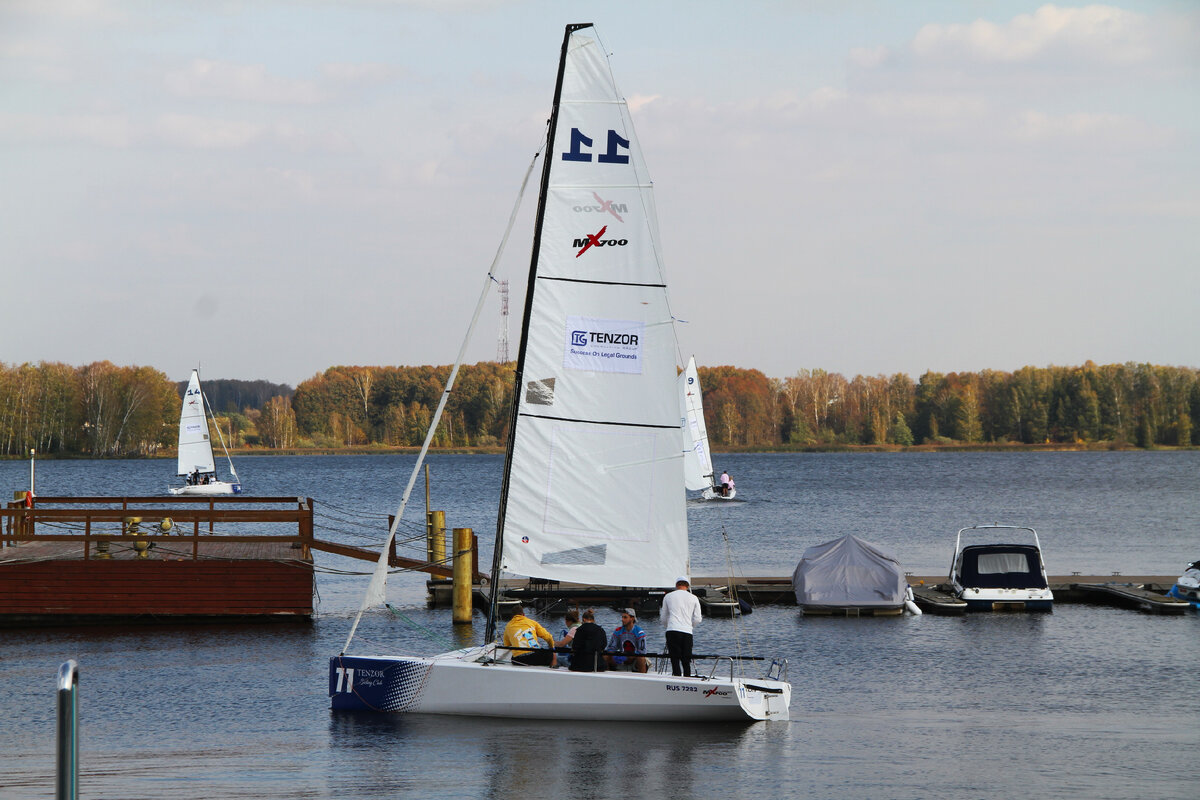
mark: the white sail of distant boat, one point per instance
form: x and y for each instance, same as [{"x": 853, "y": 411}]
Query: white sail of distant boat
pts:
[
  {"x": 195, "y": 462},
  {"x": 591, "y": 480},
  {"x": 697, "y": 455}
]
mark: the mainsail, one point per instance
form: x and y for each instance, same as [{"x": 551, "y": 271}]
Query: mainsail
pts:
[
  {"x": 592, "y": 481},
  {"x": 697, "y": 463},
  {"x": 195, "y": 449}
]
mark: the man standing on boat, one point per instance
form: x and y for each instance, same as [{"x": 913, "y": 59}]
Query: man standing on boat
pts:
[
  {"x": 630, "y": 640},
  {"x": 522, "y": 631},
  {"x": 724, "y": 483},
  {"x": 680, "y": 615}
]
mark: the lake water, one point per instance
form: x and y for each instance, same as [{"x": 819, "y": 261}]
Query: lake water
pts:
[{"x": 1084, "y": 702}]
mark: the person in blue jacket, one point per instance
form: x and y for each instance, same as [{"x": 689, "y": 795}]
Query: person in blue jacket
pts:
[{"x": 630, "y": 641}]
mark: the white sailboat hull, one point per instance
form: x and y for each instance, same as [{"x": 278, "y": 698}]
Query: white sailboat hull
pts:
[
  {"x": 713, "y": 494},
  {"x": 206, "y": 489},
  {"x": 460, "y": 683}
]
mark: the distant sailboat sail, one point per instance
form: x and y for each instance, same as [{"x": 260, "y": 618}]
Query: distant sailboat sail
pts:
[
  {"x": 195, "y": 449},
  {"x": 195, "y": 458},
  {"x": 697, "y": 461}
]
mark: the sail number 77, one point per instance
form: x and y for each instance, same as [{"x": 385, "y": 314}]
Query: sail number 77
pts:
[{"x": 612, "y": 155}]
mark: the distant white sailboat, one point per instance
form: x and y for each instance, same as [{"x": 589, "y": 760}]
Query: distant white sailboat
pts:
[
  {"x": 697, "y": 455},
  {"x": 591, "y": 480},
  {"x": 195, "y": 462}
]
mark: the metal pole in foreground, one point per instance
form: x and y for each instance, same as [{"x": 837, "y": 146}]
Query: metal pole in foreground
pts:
[{"x": 67, "y": 784}]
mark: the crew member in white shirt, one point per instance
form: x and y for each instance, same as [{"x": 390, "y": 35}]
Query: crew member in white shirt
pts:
[{"x": 680, "y": 614}]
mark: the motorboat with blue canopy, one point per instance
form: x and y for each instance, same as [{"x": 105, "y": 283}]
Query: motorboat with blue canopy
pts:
[{"x": 1002, "y": 574}]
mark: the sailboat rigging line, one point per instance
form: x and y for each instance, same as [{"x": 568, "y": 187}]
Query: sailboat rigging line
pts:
[
  {"x": 376, "y": 592},
  {"x": 601, "y": 422},
  {"x": 518, "y": 376},
  {"x": 220, "y": 438},
  {"x": 603, "y": 283}
]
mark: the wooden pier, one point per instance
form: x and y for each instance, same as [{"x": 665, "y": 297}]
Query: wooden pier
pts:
[{"x": 74, "y": 560}]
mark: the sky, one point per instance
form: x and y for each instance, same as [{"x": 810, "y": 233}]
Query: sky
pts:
[{"x": 268, "y": 189}]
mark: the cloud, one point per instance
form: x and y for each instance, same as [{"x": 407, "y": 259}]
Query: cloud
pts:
[
  {"x": 207, "y": 133},
  {"x": 358, "y": 73},
  {"x": 1102, "y": 34},
  {"x": 204, "y": 78}
]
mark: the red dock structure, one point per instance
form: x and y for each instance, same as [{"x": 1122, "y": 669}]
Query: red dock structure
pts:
[{"x": 73, "y": 560}]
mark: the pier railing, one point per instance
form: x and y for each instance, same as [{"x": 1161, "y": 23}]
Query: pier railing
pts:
[{"x": 94, "y": 522}]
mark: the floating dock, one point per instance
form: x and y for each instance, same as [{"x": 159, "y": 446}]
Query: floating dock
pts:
[{"x": 1145, "y": 593}]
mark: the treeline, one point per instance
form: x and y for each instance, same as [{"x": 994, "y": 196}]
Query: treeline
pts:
[
  {"x": 230, "y": 395},
  {"x": 105, "y": 410},
  {"x": 1124, "y": 404},
  {"x": 100, "y": 409}
]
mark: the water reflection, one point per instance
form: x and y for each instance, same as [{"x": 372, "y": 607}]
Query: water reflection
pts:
[{"x": 538, "y": 758}]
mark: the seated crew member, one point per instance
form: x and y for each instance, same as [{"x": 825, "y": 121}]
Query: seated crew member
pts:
[
  {"x": 523, "y": 632},
  {"x": 587, "y": 645},
  {"x": 571, "y": 621},
  {"x": 630, "y": 640}
]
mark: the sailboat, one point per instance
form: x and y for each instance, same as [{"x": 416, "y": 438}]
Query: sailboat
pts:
[
  {"x": 590, "y": 492},
  {"x": 697, "y": 456},
  {"x": 195, "y": 462}
]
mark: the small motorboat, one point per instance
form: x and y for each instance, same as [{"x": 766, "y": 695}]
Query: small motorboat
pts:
[
  {"x": 1002, "y": 574},
  {"x": 1187, "y": 587}
]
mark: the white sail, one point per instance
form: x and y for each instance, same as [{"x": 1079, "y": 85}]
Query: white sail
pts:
[
  {"x": 697, "y": 462},
  {"x": 593, "y": 481},
  {"x": 195, "y": 449}
]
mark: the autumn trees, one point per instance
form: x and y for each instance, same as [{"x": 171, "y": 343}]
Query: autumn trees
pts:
[
  {"x": 105, "y": 410},
  {"x": 100, "y": 409}
]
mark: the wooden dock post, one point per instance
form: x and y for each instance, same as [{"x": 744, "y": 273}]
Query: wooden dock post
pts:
[
  {"x": 463, "y": 573},
  {"x": 435, "y": 533}
]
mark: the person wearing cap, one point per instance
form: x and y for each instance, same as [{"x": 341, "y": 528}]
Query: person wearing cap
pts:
[
  {"x": 523, "y": 632},
  {"x": 630, "y": 640},
  {"x": 680, "y": 615}
]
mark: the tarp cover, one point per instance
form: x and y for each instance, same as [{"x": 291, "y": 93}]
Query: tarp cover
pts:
[{"x": 849, "y": 573}]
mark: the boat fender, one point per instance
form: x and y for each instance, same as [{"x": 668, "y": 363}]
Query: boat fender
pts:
[{"x": 909, "y": 604}]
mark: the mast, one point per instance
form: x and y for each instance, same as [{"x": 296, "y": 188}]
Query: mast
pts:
[{"x": 518, "y": 377}]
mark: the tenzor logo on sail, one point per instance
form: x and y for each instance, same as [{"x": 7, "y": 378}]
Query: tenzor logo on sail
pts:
[{"x": 603, "y": 345}]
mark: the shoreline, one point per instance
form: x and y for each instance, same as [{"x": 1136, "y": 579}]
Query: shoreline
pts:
[{"x": 981, "y": 447}]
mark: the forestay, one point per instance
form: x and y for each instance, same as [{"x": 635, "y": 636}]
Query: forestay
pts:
[
  {"x": 195, "y": 449},
  {"x": 595, "y": 470}
]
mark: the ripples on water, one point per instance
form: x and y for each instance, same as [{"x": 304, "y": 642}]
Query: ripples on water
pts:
[{"x": 1085, "y": 702}]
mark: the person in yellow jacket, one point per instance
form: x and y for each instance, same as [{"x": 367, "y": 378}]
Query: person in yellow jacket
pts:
[{"x": 522, "y": 631}]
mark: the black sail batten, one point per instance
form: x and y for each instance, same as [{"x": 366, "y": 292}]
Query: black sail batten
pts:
[
  {"x": 603, "y": 283},
  {"x": 518, "y": 378},
  {"x": 649, "y": 425}
]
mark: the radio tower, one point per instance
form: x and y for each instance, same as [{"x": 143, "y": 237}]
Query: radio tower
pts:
[{"x": 502, "y": 342}]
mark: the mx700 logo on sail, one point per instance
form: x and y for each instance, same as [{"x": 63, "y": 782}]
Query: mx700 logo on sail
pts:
[{"x": 596, "y": 241}]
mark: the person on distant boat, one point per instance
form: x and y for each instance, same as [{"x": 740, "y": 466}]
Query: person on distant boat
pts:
[
  {"x": 522, "y": 632},
  {"x": 587, "y": 645},
  {"x": 729, "y": 487},
  {"x": 680, "y": 615},
  {"x": 571, "y": 618},
  {"x": 630, "y": 640},
  {"x": 724, "y": 484}
]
